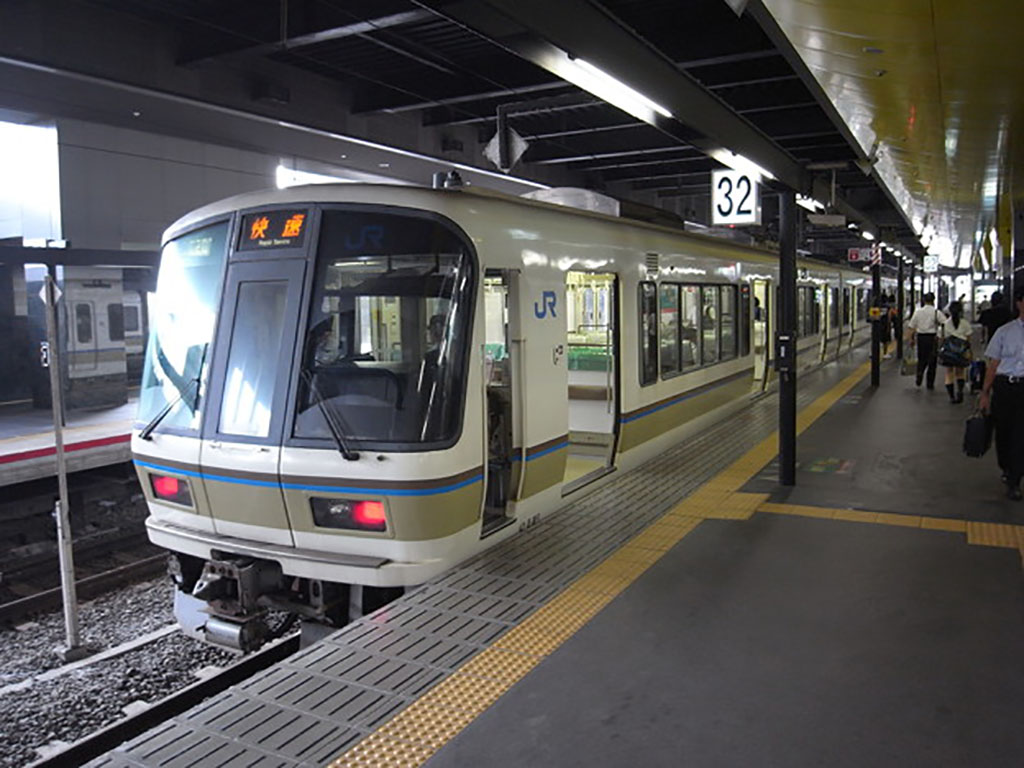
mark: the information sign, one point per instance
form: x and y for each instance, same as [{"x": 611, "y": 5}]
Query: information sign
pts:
[
  {"x": 858, "y": 255},
  {"x": 931, "y": 263},
  {"x": 273, "y": 229},
  {"x": 735, "y": 198}
]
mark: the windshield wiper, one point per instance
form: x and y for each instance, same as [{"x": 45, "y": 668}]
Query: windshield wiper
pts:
[
  {"x": 331, "y": 416},
  {"x": 147, "y": 430}
]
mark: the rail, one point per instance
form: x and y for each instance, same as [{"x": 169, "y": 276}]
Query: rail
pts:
[
  {"x": 88, "y": 587},
  {"x": 109, "y": 738}
]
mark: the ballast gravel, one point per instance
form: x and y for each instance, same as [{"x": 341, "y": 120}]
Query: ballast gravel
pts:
[{"x": 73, "y": 705}]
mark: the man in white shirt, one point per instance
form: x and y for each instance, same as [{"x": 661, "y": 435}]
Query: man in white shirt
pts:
[
  {"x": 924, "y": 325},
  {"x": 1003, "y": 390}
]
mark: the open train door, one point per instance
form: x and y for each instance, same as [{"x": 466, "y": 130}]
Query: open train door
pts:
[
  {"x": 591, "y": 310},
  {"x": 762, "y": 333},
  {"x": 504, "y": 403}
]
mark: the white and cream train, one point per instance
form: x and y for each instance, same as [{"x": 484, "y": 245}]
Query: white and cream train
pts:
[{"x": 348, "y": 389}]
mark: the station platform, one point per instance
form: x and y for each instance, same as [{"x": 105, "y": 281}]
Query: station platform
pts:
[
  {"x": 692, "y": 612},
  {"x": 92, "y": 438}
]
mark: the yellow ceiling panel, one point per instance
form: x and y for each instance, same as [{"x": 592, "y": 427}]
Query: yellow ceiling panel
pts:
[{"x": 932, "y": 88}]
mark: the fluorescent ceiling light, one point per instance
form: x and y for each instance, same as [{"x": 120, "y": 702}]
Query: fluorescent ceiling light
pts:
[
  {"x": 740, "y": 163},
  {"x": 867, "y": 235},
  {"x": 608, "y": 88}
]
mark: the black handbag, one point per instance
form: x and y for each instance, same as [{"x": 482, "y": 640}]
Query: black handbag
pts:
[{"x": 977, "y": 434}]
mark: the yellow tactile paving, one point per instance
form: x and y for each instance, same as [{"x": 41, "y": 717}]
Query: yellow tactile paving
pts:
[
  {"x": 993, "y": 534},
  {"x": 417, "y": 732},
  {"x": 906, "y": 521},
  {"x": 983, "y": 534},
  {"x": 855, "y": 516},
  {"x": 944, "y": 524}
]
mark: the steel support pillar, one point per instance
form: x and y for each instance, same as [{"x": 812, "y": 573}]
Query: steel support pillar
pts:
[
  {"x": 876, "y": 324},
  {"x": 786, "y": 338},
  {"x": 898, "y": 329},
  {"x": 1017, "y": 280},
  {"x": 913, "y": 286}
]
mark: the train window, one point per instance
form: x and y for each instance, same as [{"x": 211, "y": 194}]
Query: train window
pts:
[
  {"x": 833, "y": 308},
  {"x": 648, "y": 305},
  {"x": 131, "y": 319},
  {"x": 689, "y": 314},
  {"x": 727, "y": 331},
  {"x": 182, "y": 315},
  {"x": 846, "y": 306},
  {"x": 388, "y": 332},
  {"x": 709, "y": 323},
  {"x": 83, "y": 323},
  {"x": 251, "y": 373},
  {"x": 668, "y": 328},
  {"x": 862, "y": 303},
  {"x": 115, "y": 322}
]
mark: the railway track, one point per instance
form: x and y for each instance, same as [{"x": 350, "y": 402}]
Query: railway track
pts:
[
  {"x": 110, "y": 737},
  {"x": 88, "y": 587}
]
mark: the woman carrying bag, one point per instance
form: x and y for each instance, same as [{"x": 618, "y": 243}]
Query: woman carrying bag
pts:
[{"x": 955, "y": 351}]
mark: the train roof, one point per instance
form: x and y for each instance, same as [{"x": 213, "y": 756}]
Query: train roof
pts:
[{"x": 418, "y": 197}]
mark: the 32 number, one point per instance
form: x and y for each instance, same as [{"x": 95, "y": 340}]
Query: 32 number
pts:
[{"x": 727, "y": 206}]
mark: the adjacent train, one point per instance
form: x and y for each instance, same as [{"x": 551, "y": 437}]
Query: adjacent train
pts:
[
  {"x": 349, "y": 389},
  {"x": 102, "y": 333}
]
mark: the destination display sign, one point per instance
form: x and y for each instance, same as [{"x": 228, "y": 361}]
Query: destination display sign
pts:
[{"x": 273, "y": 229}]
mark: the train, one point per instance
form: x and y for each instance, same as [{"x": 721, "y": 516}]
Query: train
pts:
[
  {"x": 102, "y": 331},
  {"x": 349, "y": 389}
]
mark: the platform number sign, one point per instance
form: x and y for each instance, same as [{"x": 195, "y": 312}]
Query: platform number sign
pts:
[{"x": 735, "y": 198}]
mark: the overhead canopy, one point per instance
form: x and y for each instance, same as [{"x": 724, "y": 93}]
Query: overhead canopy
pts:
[{"x": 932, "y": 89}]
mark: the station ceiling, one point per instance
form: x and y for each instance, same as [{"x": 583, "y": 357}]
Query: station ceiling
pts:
[{"x": 729, "y": 81}]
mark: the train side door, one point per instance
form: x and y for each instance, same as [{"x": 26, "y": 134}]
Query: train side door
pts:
[
  {"x": 592, "y": 356},
  {"x": 503, "y": 396},
  {"x": 241, "y": 443},
  {"x": 761, "y": 332}
]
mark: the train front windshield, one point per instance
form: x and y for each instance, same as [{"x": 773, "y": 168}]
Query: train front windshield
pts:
[
  {"x": 183, "y": 315},
  {"x": 387, "y": 338}
]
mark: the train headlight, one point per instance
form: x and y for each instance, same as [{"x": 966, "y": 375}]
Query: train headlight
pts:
[
  {"x": 349, "y": 515},
  {"x": 173, "y": 489}
]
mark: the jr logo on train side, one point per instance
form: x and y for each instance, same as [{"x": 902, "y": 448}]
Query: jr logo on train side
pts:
[{"x": 546, "y": 305}]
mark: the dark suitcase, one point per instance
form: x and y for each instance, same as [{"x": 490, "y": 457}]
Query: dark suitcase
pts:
[{"x": 977, "y": 434}]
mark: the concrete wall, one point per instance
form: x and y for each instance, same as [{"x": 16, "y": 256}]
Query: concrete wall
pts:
[{"x": 121, "y": 188}]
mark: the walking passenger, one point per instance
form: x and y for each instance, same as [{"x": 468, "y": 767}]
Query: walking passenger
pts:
[
  {"x": 955, "y": 353},
  {"x": 924, "y": 325},
  {"x": 1003, "y": 393},
  {"x": 998, "y": 314}
]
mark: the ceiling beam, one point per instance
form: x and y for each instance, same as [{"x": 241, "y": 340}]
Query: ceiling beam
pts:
[
  {"x": 539, "y": 106},
  {"x": 463, "y": 98},
  {"x": 582, "y": 30},
  {"x": 565, "y": 159},
  {"x": 355, "y": 29}
]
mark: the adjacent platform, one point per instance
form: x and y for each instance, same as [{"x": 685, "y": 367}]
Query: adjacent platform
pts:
[
  {"x": 92, "y": 439},
  {"x": 689, "y": 611}
]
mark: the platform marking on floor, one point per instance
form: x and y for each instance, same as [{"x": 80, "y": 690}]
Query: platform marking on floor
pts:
[
  {"x": 1004, "y": 535},
  {"x": 416, "y": 733},
  {"x": 1007, "y": 536}
]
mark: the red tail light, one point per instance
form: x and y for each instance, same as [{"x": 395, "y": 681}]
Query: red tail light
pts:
[
  {"x": 350, "y": 515},
  {"x": 369, "y": 515},
  {"x": 167, "y": 488}
]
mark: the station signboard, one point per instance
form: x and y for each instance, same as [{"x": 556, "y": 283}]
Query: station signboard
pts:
[
  {"x": 735, "y": 198},
  {"x": 931, "y": 263}
]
